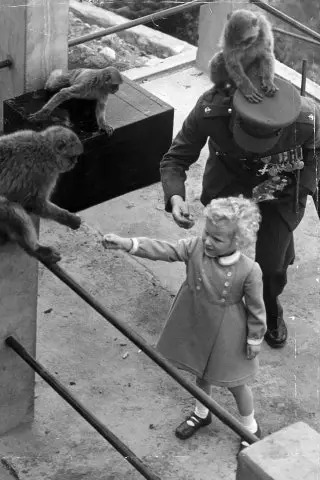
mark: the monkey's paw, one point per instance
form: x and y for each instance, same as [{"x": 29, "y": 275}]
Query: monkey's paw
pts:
[
  {"x": 251, "y": 94},
  {"x": 74, "y": 222},
  {"x": 37, "y": 117},
  {"x": 269, "y": 88},
  {"x": 48, "y": 254},
  {"x": 107, "y": 129}
]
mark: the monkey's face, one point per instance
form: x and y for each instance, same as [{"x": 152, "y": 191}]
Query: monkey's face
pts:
[
  {"x": 68, "y": 162},
  {"x": 67, "y": 147},
  {"x": 250, "y": 38},
  {"x": 114, "y": 87},
  {"x": 69, "y": 154},
  {"x": 243, "y": 28}
]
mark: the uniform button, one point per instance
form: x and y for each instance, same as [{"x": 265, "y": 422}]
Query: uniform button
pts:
[
  {"x": 226, "y": 284},
  {"x": 229, "y": 274},
  {"x": 222, "y": 300},
  {"x": 224, "y": 292},
  {"x": 200, "y": 279},
  {"x": 198, "y": 288},
  {"x": 229, "y": 110}
]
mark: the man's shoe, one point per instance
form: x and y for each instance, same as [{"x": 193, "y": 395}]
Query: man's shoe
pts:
[
  {"x": 277, "y": 338},
  {"x": 244, "y": 444},
  {"x": 191, "y": 425}
]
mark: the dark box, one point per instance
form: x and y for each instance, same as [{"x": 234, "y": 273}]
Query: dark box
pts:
[{"x": 109, "y": 167}]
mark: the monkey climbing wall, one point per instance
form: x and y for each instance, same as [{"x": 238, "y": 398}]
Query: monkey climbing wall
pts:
[{"x": 110, "y": 166}]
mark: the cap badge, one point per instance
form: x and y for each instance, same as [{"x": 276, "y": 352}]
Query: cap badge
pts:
[
  {"x": 207, "y": 110},
  {"x": 311, "y": 117}
]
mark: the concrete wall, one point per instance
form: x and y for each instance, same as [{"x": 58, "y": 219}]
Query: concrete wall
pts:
[{"x": 34, "y": 34}]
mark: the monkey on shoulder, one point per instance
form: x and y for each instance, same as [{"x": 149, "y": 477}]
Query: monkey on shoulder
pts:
[
  {"x": 247, "y": 39},
  {"x": 30, "y": 164},
  {"x": 81, "y": 83}
]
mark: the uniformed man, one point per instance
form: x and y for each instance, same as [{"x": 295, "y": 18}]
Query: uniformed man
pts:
[{"x": 268, "y": 151}]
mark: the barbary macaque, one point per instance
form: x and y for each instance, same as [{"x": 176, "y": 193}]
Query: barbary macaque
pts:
[
  {"x": 30, "y": 164},
  {"x": 81, "y": 83},
  {"x": 247, "y": 39}
]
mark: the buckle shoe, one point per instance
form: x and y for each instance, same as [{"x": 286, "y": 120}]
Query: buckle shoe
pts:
[{"x": 191, "y": 425}]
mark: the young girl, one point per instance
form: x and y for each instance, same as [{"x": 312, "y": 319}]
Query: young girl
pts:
[{"x": 211, "y": 331}]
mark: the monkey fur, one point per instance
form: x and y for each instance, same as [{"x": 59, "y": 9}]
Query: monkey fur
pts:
[
  {"x": 30, "y": 164},
  {"x": 247, "y": 39},
  {"x": 82, "y": 83}
]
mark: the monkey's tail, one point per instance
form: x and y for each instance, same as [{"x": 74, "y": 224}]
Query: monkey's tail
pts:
[{"x": 58, "y": 79}]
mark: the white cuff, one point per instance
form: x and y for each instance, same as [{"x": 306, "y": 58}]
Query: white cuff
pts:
[
  {"x": 135, "y": 246},
  {"x": 254, "y": 341}
]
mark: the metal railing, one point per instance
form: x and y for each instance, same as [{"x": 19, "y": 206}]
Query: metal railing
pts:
[
  {"x": 289, "y": 20},
  {"x": 295, "y": 35},
  {"x": 315, "y": 37},
  {"x": 151, "y": 352},
  {"x": 81, "y": 409},
  {"x": 187, "y": 6},
  {"x": 6, "y": 63},
  {"x": 138, "y": 21}
]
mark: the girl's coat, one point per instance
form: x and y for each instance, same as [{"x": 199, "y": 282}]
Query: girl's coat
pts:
[{"x": 208, "y": 324}]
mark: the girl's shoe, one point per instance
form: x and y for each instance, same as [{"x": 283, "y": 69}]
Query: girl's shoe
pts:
[
  {"x": 244, "y": 444},
  {"x": 184, "y": 430}
]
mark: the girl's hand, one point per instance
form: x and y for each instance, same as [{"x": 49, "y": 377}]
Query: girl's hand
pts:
[
  {"x": 111, "y": 241},
  {"x": 252, "y": 351}
]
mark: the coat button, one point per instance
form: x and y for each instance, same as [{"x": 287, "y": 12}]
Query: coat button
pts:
[
  {"x": 222, "y": 300},
  {"x": 226, "y": 284},
  {"x": 198, "y": 288},
  {"x": 229, "y": 274},
  {"x": 224, "y": 292}
]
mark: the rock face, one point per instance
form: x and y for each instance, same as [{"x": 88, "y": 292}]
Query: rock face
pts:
[{"x": 109, "y": 50}]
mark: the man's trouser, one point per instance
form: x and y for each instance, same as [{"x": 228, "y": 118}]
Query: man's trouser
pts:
[{"x": 274, "y": 251}]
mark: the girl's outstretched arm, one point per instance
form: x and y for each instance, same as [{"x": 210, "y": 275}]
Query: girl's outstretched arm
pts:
[{"x": 152, "y": 249}]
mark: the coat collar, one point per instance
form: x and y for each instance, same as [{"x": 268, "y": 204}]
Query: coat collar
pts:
[{"x": 229, "y": 259}]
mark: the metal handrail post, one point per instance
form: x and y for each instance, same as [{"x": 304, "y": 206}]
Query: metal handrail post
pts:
[
  {"x": 160, "y": 360},
  {"x": 80, "y": 408},
  {"x": 133, "y": 23},
  {"x": 282, "y": 16}
]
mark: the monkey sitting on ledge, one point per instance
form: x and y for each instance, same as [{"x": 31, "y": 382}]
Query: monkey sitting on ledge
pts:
[
  {"x": 247, "y": 39},
  {"x": 81, "y": 83},
  {"x": 30, "y": 164}
]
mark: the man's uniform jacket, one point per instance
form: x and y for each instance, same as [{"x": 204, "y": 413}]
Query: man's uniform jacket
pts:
[{"x": 228, "y": 163}]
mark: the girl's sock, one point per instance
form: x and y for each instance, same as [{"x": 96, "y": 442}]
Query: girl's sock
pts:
[
  {"x": 201, "y": 410},
  {"x": 249, "y": 422}
]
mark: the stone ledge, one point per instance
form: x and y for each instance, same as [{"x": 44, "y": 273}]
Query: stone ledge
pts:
[
  {"x": 140, "y": 35},
  {"x": 165, "y": 66},
  {"x": 292, "y": 453}
]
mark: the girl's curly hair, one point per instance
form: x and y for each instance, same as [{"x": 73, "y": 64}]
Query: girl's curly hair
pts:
[{"x": 242, "y": 212}]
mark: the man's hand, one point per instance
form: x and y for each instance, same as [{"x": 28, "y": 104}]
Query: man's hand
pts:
[
  {"x": 180, "y": 212},
  {"x": 252, "y": 351}
]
